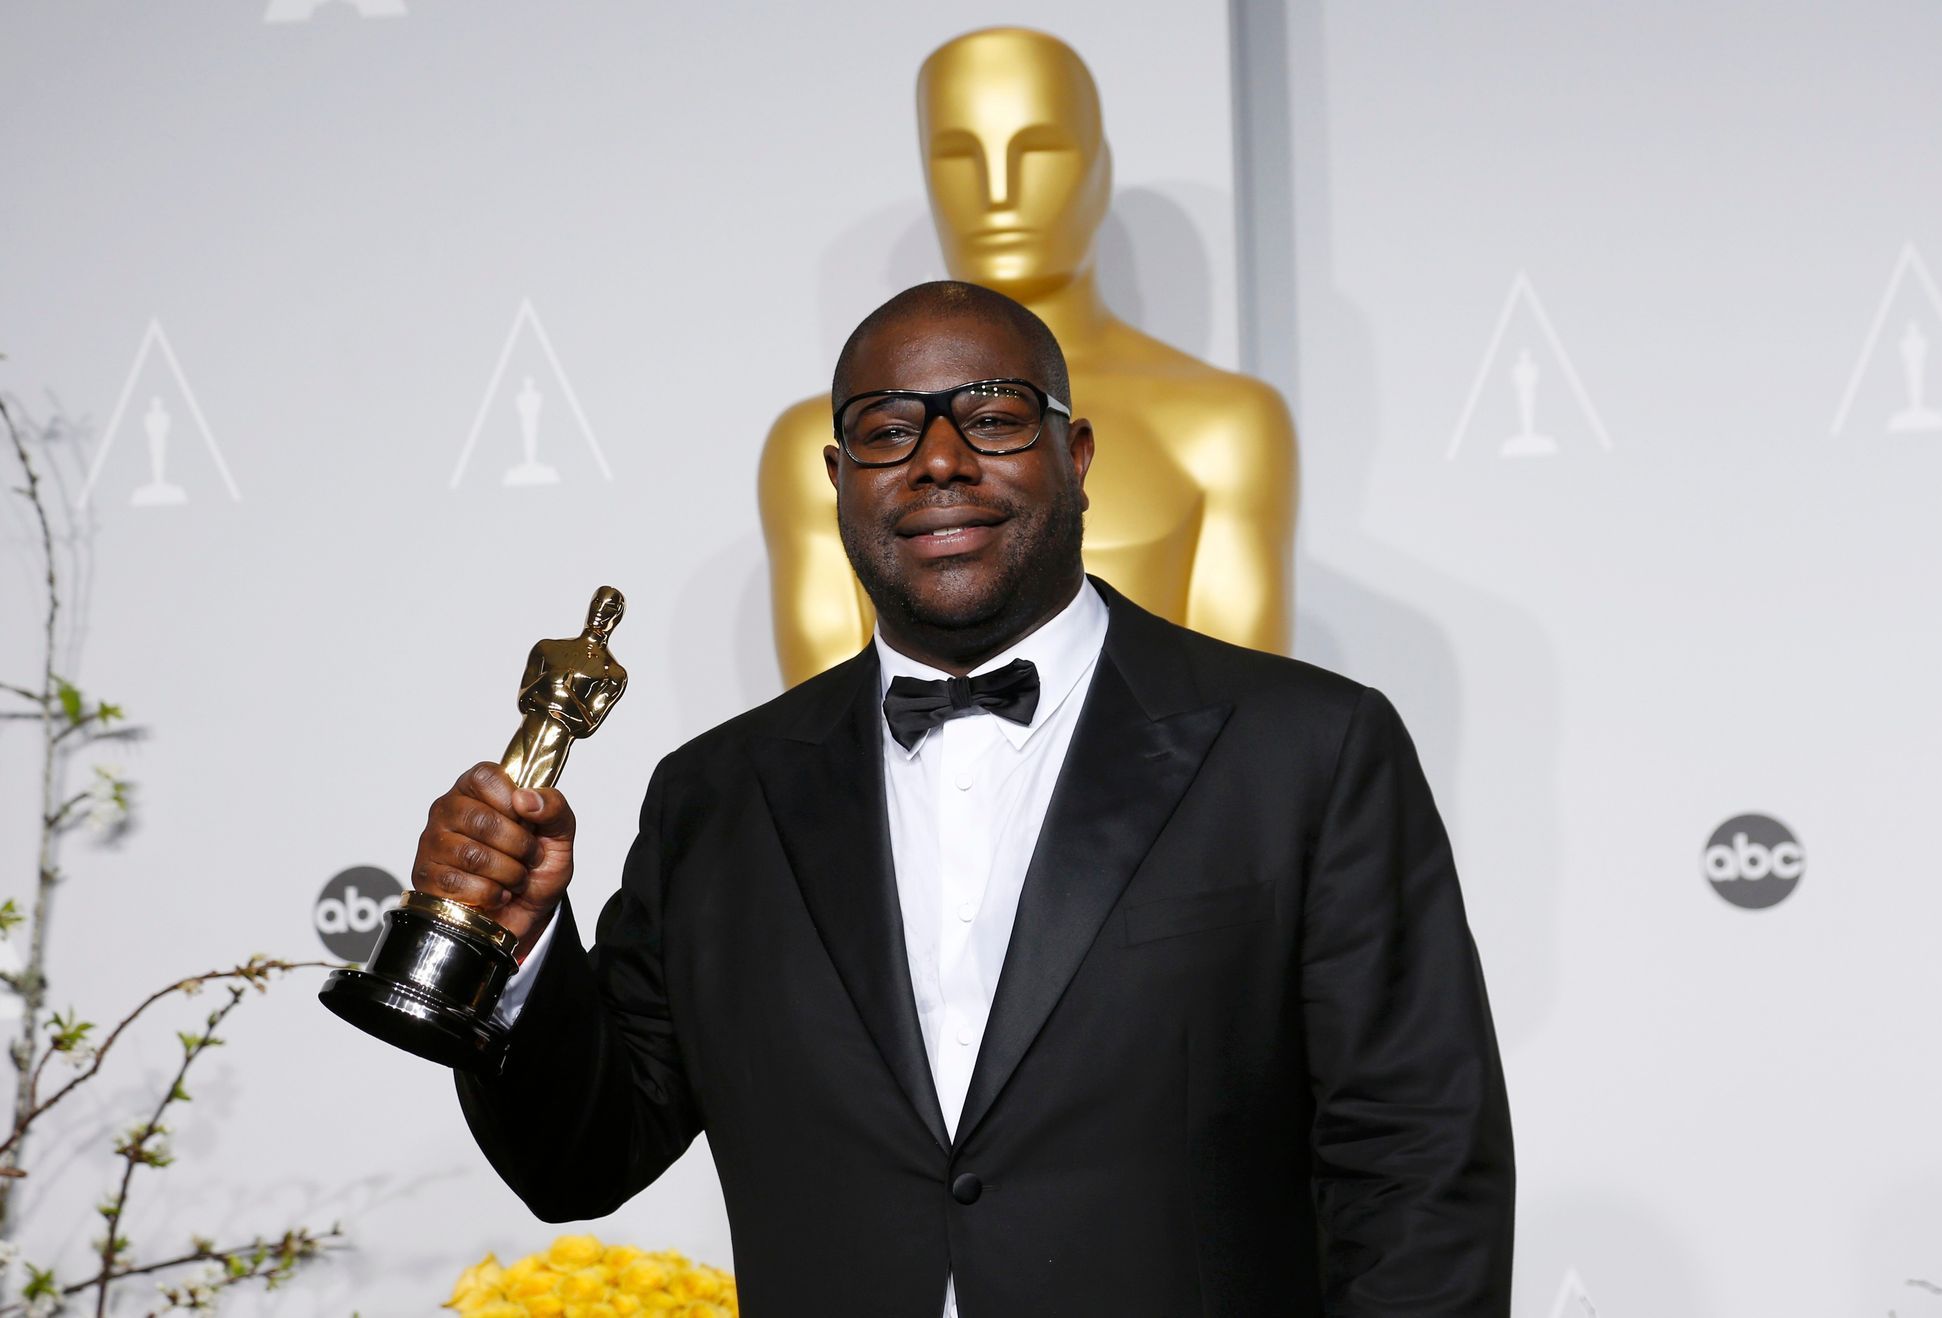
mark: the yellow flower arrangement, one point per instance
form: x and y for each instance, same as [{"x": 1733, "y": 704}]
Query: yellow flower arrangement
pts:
[{"x": 578, "y": 1277}]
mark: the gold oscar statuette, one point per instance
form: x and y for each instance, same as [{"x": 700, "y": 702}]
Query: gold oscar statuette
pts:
[
  {"x": 439, "y": 967},
  {"x": 1193, "y": 481}
]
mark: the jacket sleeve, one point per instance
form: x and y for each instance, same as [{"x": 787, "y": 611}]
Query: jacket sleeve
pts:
[
  {"x": 1414, "y": 1180},
  {"x": 593, "y": 1104}
]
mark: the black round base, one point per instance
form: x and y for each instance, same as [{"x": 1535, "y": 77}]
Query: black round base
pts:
[{"x": 416, "y": 1021}]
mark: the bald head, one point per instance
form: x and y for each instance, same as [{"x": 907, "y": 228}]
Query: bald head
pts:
[{"x": 950, "y": 299}]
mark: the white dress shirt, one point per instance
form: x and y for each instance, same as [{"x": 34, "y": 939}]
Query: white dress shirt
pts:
[
  {"x": 964, "y": 810},
  {"x": 965, "y": 805}
]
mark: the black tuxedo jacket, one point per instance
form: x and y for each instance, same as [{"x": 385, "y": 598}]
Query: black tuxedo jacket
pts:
[{"x": 1239, "y": 1060}]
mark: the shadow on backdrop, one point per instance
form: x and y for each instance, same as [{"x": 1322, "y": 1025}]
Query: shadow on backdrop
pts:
[{"x": 1438, "y": 646}]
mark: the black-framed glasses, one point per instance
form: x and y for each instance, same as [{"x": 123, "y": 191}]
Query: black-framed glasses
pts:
[{"x": 995, "y": 417}]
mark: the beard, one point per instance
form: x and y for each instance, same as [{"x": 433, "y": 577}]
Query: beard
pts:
[{"x": 975, "y": 603}]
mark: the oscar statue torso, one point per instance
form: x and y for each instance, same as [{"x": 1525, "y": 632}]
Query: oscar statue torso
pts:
[
  {"x": 1193, "y": 481},
  {"x": 568, "y": 687}
]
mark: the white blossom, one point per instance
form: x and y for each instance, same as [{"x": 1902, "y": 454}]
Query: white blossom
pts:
[
  {"x": 107, "y": 801},
  {"x": 195, "y": 1295}
]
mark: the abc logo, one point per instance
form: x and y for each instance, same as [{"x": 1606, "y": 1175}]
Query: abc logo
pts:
[
  {"x": 350, "y": 911},
  {"x": 1753, "y": 861}
]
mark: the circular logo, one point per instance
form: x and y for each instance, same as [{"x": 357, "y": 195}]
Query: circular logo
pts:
[
  {"x": 350, "y": 910},
  {"x": 1753, "y": 861}
]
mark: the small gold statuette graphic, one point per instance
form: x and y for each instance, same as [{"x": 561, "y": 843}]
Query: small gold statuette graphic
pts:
[{"x": 439, "y": 967}]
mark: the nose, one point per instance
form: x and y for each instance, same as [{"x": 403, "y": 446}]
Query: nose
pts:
[
  {"x": 999, "y": 183},
  {"x": 942, "y": 457}
]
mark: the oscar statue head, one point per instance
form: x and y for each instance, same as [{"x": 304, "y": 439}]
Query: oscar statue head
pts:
[
  {"x": 1015, "y": 159},
  {"x": 603, "y": 614}
]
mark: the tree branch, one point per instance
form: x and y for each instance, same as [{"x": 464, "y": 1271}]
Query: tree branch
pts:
[
  {"x": 33, "y": 977},
  {"x": 256, "y": 971},
  {"x": 301, "y": 1243},
  {"x": 65, "y": 809},
  {"x": 135, "y": 1151}
]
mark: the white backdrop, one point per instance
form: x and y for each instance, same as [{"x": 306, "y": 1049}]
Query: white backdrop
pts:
[
  {"x": 1710, "y": 601},
  {"x": 335, "y": 222},
  {"x": 1709, "y": 227}
]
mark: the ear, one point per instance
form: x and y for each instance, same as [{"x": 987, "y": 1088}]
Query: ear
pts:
[
  {"x": 1078, "y": 448},
  {"x": 830, "y": 456}
]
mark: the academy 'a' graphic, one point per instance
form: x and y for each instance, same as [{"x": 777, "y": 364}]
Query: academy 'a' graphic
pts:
[
  {"x": 1573, "y": 1301},
  {"x": 1903, "y": 354},
  {"x": 1533, "y": 403},
  {"x": 530, "y": 463},
  {"x": 168, "y": 418},
  {"x": 301, "y": 11}
]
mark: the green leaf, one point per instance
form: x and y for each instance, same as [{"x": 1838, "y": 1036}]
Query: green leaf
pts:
[
  {"x": 70, "y": 697},
  {"x": 108, "y": 713},
  {"x": 68, "y": 1031},
  {"x": 178, "y": 1094},
  {"x": 10, "y": 915},
  {"x": 40, "y": 1283}
]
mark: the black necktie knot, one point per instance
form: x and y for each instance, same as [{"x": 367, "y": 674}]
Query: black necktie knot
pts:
[{"x": 913, "y": 706}]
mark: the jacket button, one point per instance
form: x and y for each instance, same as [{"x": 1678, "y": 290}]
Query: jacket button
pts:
[{"x": 966, "y": 1188}]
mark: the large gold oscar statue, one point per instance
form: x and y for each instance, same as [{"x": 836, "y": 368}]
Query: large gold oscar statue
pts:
[{"x": 1193, "y": 484}]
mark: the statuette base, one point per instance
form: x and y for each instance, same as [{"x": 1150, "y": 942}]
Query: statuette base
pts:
[{"x": 431, "y": 985}]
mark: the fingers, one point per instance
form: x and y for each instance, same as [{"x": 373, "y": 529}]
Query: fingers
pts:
[
  {"x": 487, "y": 782},
  {"x": 465, "y": 889},
  {"x": 482, "y": 821},
  {"x": 473, "y": 849}
]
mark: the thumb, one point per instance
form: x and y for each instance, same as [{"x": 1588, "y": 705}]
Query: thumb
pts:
[{"x": 545, "y": 810}]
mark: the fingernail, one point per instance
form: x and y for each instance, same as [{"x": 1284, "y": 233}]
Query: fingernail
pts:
[{"x": 529, "y": 802}]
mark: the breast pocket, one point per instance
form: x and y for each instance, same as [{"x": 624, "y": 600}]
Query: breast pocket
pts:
[{"x": 1219, "y": 908}]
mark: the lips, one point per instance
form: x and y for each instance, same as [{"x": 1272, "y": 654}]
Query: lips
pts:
[{"x": 941, "y": 532}]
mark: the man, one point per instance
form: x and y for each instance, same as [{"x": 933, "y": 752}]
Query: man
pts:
[{"x": 1130, "y": 980}]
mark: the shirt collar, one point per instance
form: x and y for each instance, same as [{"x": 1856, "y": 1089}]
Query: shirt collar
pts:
[{"x": 1063, "y": 650}]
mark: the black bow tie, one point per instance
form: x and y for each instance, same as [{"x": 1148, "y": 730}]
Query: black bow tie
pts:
[{"x": 914, "y": 706}]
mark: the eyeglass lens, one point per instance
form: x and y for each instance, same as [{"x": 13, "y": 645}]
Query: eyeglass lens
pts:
[{"x": 993, "y": 417}]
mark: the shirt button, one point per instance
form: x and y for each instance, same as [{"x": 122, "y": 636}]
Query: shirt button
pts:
[
  {"x": 964, "y": 780},
  {"x": 967, "y": 911},
  {"x": 967, "y": 1036},
  {"x": 966, "y": 1188}
]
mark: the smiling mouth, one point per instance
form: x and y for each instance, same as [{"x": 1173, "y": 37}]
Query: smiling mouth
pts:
[
  {"x": 935, "y": 537},
  {"x": 947, "y": 517}
]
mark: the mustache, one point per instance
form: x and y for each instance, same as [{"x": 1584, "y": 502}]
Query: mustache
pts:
[{"x": 887, "y": 523}]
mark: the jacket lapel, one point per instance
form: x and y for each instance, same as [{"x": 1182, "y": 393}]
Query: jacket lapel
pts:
[
  {"x": 824, "y": 786},
  {"x": 1139, "y": 742}
]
